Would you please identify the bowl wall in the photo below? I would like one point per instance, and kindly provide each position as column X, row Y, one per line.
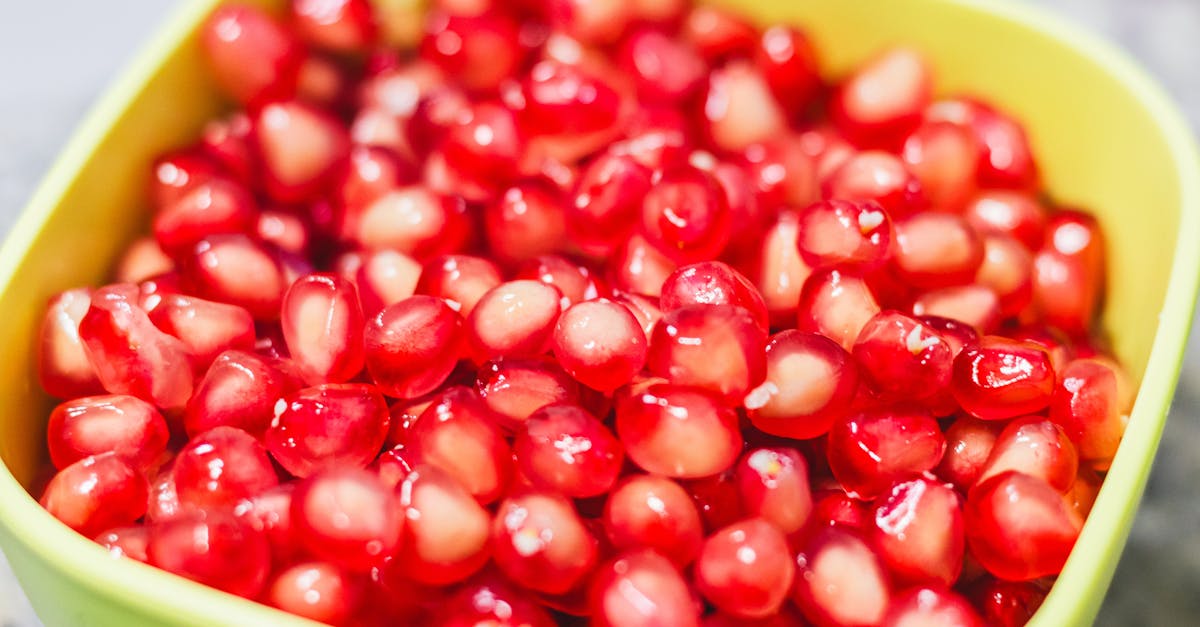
column 1105, row 135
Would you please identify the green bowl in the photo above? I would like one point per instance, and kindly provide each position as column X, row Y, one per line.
column 1106, row 136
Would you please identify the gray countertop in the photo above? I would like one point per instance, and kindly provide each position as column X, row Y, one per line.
column 56, row 57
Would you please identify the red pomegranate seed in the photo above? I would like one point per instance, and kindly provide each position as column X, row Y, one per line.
column 781, row 271
column 348, row 517
column 514, row 319
column 317, row 591
column 328, row 426
column 478, row 52
column 240, row 389
column 162, row 501
column 143, row 260
column 175, row 174
column 600, row 343
column 1009, row 603
column 641, row 589
column 541, row 544
column 300, row 147
column 773, row 483
column 96, row 493
column 219, row 468
column 665, row 70
column 251, row 56
column 458, row 434
column 1087, row 404
column 917, row 528
column 787, row 60
column 217, row 550
column 1011, row 213
column 64, row 370
column 835, row 507
column 323, row 326
column 678, row 431
column 810, row 382
column 206, row 328
column 901, row 358
column 414, row 220
column 869, row 451
column 658, row 139
column 94, row 425
column 1007, row 160
column 739, row 108
column 596, row 22
column 969, row 443
column 526, row 220
column 446, row 532
column 460, row 280
column 782, row 171
column 558, row 98
column 976, row 306
column 640, row 267
column 270, row 514
column 686, row 216
column 884, row 98
column 849, row 235
column 936, row 250
column 208, row 208
column 930, row 606
column 1001, row 378
column 565, row 449
column 606, row 201
column 413, row 345
column 385, row 278
column 944, row 157
column 878, row 176
column 840, row 580
column 718, row 348
column 644, row 308
column 712, row 283
column 368, row 173
column 1037, row 447
column 1068, row 272
column 235, row 269
column 483, row 147
column 656, row 513
column 746, row 569
column 126, row 542
column 490, row 600
column 227, row 142
column 719, row 34
column 576, row 282
column 515, row 388
column 129, row 354
column 1019, row 527
column 286, row 231
column 1007, row 269
column 344, row 26
column 835, row 304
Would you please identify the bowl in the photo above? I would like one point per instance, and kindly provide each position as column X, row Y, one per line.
column 1106, row 136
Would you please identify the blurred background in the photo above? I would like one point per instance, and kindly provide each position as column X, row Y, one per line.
column 56, row 57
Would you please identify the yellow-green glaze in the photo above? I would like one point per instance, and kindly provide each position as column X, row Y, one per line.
column 1106, row 136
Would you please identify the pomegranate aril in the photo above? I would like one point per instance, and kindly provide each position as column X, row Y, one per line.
column 478, row 51
column 746, row 569
column 162, row 503
column 717, row 348
column 270, row 513
column 558, row 98
column 216, row 550
column 901, row 358
column 96, row 493
column 931, row 606
column 344, row 26
column 237, row 270
column 328, row 426
column 348, row 517
column 833, row 507
column 414, row 220
column 1034, row 446
column 514, row 319
column 871, row 450
column 837, row 305
column 457, row 433
column 1009, row 603
column 685, row 215
column 782, row 172
column 641, row 268
column 174, row 175
column 460, row 280
column 641, row 589
column 1087, row 404
column 64, row 370
column 712, row 283
column 540, row 543
column 413, row 345
column 644, row 308
column 739, row 109
column 845, row 234
column 773, row 483
column 481, row 151
column 936, row 250
column 944, row 157
column 780, row 269
column 719, row 34
column 656, row 513
column 226, row 141
column 240, row 389
column 1068, row 272
column 1007, row 160
column 789, row 64
column 317, row 591
column 300, row 147
column 1007, row 269
column 969, row 443
column 999, row 378
column 1005, row 212
column 810, row 382
column 446, row 532
column 490, row 600
column 678, row 431
column 206, row 328
column 126, row 542
column 917, row 528
column 600, row 343
column 284, row 230
column 129, row 354
column 251, row 55
column 208, row 208
column 840, row 580
column 884, row 98
column 515, row 388
column 1019, row 527
column 576, row 282
column 606, row 201
column 565, row 449
column 385, row 278
column 322, row 324
column 368, row 173
column 143, row 259
column 664, row 70
column 526, row 220
column 878, row 176
column 975, row 305
column 219, row 468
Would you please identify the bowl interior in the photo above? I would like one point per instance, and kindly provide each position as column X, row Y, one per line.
column 1105, row 136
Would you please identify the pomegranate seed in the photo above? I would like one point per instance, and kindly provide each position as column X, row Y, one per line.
column 1000, row 378
column 240, row 390
column 216, row 550
column 665, row 70
column 917, row 528
column 1007, row 269
column 514, row 319
column 385, row 278
column 174, row 175
column 540, row 543
column 773, row 483
column 270, row 513
column 414, row 220
column 286, row 231
column 457, row 433
column 515, row 388
column 719, row 34
column 782, row 171
column 482, row 147
column 644, row 308
column 527, row 220
column 1009, row 603
column 129, row 354
column 746, row 569
column 446, row 531
column 460, row 280
column 206, row 328
column 64, row 370
column 597, row 22
column 712, row 283
column 936, row 250
column 641, row 268
column 251, row 56
column 346, row 516
column 606, row 202
column 788, row 62
column 835, row 507
column 226, row 141
column 969, row 443
column 576, row 282
column 717, row 499
column 317, row 591
column 1068, row 272
column 220, row 467
column 901, row 358
column 368, row 173
column 944, row 157
column 208, row 208
column 657, row 139
column 600, row 343
column 662, row 425
column 686, row 216
column 1087, row 404
column 490, row 600
column 300, row 147
column 344, row 26
column 1018, row 527
column 931, row 607
column 840, row 580
column 558, row 98
column 327, row 426
column 1011, row 213
column 976, row 306
column 877, row 176
column 479, row 52
column 837, row 305
column 883, row 100
column 143, row 260
column 563, row 448
column 641, row 589
column 781, row 271
column 236, row 270
column 656, row 513
column 162, row 500
column 413, row 345
column 1037, row 447
column 1007, row 160
column 96, row 493
column 869, row 451
column 323, row 326
column 718, row 348
column 739, row 108
column 810, row 382
column 850, row 235
column 126, row 542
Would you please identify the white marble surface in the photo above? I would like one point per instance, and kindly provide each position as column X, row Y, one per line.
column 56, row 56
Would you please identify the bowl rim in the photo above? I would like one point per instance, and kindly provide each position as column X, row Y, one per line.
column 23, row 520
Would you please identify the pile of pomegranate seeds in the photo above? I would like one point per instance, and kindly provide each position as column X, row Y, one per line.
column 601, row 310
